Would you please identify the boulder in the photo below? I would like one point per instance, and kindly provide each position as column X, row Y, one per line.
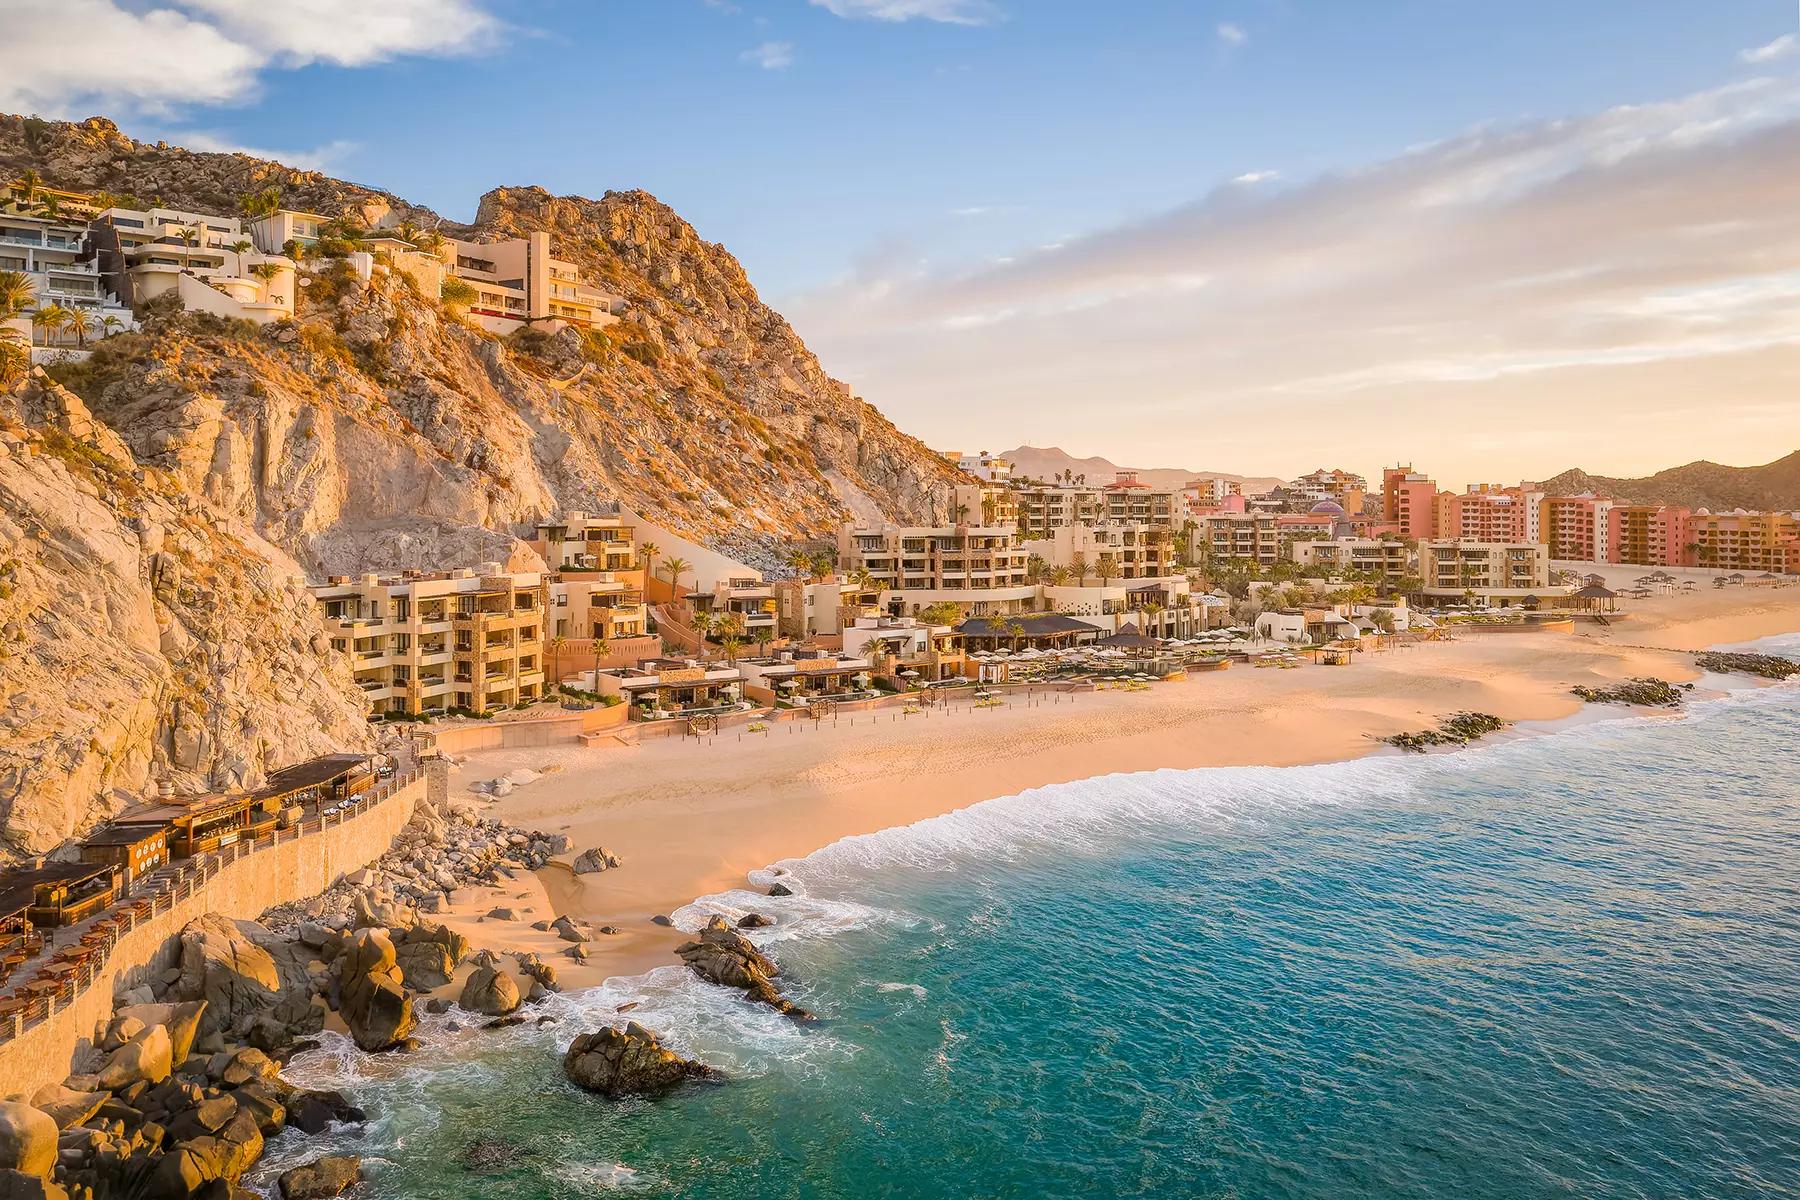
column 27, row 1139
column 122, row 1030
column 502, row 914
column 183, row 1026
column 753, row 921
column 263, row 1100
column 67, row 1107
column 246, row 1065
column 535, row 968
column 425, row 965
column 780, row 889
column 313, row 1112
column 320, row 1179
column 724, row 956
column 145, row 1057
column 625, row 1062
column 17, row 1185
column 590, row 862
column 370, row 912
column 188, row 1167
column 489, row 991
column 371, row 992
column 221, row 965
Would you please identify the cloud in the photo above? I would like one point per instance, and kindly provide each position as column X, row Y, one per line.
column 1557, row 275
column 952, row 12
column 1231, row 35
column 158, row 57
column 1781, row 47
column 770, row 56
column 319, row 158
column 1258, row 177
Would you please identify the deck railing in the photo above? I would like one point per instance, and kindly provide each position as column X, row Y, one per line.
column 157, row 895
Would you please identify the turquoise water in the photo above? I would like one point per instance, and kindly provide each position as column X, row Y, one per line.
column 1564, row 966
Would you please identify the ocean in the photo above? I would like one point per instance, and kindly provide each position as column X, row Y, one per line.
column 1564, row 965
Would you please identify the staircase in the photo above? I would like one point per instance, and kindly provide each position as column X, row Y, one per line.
column 671, row 624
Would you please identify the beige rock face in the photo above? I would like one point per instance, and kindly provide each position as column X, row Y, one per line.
column 160, row 508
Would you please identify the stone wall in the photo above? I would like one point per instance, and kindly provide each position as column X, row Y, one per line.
column 541, row 731
column 287, row 871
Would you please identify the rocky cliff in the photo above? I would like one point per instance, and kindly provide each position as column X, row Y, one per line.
column 154, row 628
column 141, row 637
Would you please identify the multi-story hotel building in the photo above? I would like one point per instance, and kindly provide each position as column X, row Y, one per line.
column 1344, row 487
column 144, row 253
column 54, row 255
column 1240, row 537
column 1575, row 528
column 1745, row 541
column 1371, row 555
column 1649, row 535
column 597, row 589
column 984, row 466
column 982, row 567
column 1494, row 571
column 1488, row 513
column 1124, row 500
column 1114, row 551
column 1408, row 501
column 418, row 643
column 518, row 281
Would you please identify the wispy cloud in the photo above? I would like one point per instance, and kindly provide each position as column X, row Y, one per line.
column 1232, row 35
column 770, row 56
column 152, row 58
column 1781, row 47
column 952, row 12
column 319, row 158
column 1257, row 177
column 1601, row 275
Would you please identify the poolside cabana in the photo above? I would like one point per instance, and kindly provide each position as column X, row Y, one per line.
column 1594, row 598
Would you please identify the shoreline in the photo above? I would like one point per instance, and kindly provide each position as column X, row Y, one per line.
column 691, row 818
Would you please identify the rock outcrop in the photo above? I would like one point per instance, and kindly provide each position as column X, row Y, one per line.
column 320, row 1179
column 489, row 990
column 627, row 1062
column 724, row 956
column 372, row 993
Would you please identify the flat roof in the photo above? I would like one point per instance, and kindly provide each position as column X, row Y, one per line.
column 310, row 774
column 127, row 835
column 18, row 889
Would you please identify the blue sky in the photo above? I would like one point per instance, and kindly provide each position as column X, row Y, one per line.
column 884, row 145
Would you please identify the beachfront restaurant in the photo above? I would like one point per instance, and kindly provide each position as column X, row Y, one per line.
column 206, row 823
column 672, row 686
column 321, row 781
column 811, row 678
column 1041, row 631
column 55, row 894
column 135, row 849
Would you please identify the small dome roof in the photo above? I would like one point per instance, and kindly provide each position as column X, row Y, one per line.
column 1329, row 508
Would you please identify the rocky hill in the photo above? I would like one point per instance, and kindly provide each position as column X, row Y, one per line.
column 153, row 625
column 1701, row 484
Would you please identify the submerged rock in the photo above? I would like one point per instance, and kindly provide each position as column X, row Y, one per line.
column 625, row 1062
column 320, row 1180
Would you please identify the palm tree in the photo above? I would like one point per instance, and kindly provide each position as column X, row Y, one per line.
column 823, row 564
column 944, row 612
column 1108, row 569
column 863, row 581
column 555, row 646
column 16, row 292
column 676, row 567
column 407, row 232
column 962, row 513
column 1059, row 576
column 1151, row 611
column 646, row 558
column 1015, row 631
column 50, row 207
column 801, row 561
column 27, row 187
column 1079, row 565
column 267, row 271
column 78, row 322
column 111, row 325
column 50, row 319
column 242, row 246
column 601, row 648
column 190, row 237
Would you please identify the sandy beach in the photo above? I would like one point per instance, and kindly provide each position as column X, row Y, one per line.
column 690, row 817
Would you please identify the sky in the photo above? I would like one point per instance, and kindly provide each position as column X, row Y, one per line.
column 1494, row 240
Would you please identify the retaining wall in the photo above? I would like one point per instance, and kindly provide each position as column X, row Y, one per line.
column 241, row 884
column 539, row 731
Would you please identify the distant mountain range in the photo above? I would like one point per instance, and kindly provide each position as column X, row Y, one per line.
column 1043, row 462
column 1701, row 484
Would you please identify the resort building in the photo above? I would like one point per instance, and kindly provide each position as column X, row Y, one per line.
column 1371, row 556
column 807, row 609
column 1166, row 607
column 984, row 466
column 670, row 686
column 938, row 562
column 587, row 542
column 463, row 639
column 803, row 677
column 747, row 599
column 284, row 231
column 208, row 261
column 518, row 281
column 1745, row 541
column 1239, row 537
column 1650, row 535
column 1045, row 509
column 1488, row 513
column 1408, row 502
column 1344, row 487
column 906, row 649
column 54, row 255
column 1113, row 551
column 1495, row 572
column 1575, row 527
